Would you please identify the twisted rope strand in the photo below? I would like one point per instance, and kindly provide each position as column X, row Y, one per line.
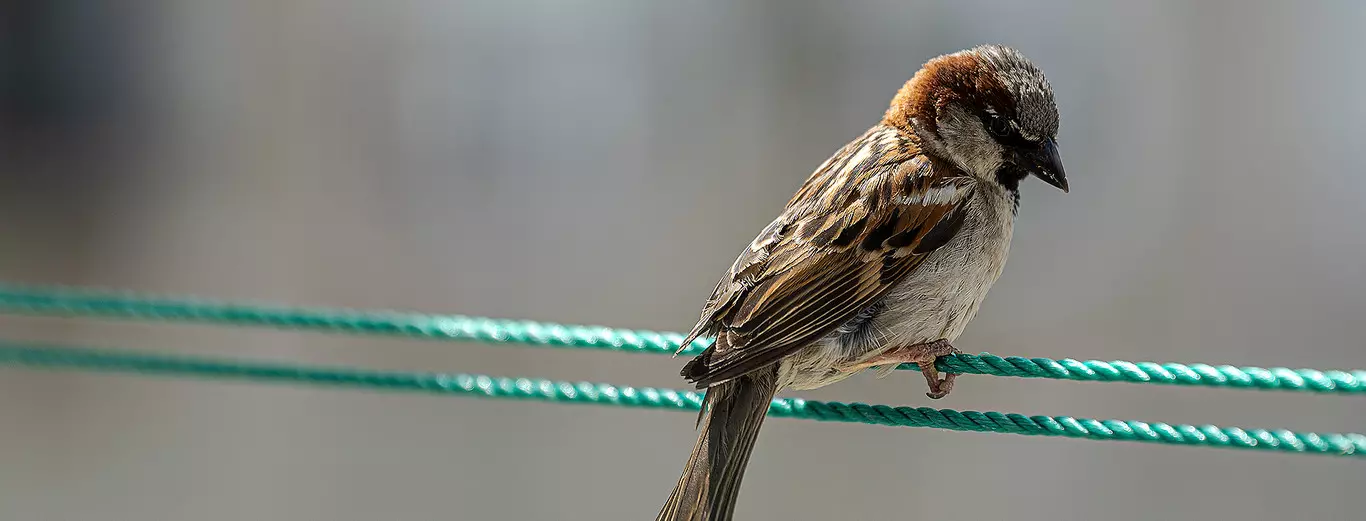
column 125, row 305
column 62, row 301
column 58, row 357
column 1171, row 373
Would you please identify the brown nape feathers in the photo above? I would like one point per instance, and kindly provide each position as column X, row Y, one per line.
column 961, row 78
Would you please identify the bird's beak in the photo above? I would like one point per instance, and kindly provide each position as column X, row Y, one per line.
column 1048, row 165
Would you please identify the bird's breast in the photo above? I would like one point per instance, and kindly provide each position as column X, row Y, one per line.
column 939, row 298
column 936, row 301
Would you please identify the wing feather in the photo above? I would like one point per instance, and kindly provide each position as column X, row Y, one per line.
column 859, row 225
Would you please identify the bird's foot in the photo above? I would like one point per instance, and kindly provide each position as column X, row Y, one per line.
column 923, row 355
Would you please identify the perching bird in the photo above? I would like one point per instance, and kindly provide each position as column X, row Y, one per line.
column 882, row 257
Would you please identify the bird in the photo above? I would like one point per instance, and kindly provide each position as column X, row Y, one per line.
column 881, row 257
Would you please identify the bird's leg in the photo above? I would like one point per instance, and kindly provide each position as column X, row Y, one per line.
column 924, row 356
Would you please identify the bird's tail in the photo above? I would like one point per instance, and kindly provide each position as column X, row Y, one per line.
column 729, row 423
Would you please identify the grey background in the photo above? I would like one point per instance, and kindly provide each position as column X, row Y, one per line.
column 603, row 162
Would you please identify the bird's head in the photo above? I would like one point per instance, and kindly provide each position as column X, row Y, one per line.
column 989, row 111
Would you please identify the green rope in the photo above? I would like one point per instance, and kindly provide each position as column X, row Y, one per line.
column 58, row 357
column 77, row 302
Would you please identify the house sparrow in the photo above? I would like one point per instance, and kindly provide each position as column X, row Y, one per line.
column 882, row 257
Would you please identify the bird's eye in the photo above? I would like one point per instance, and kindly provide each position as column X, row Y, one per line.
column 998, row 126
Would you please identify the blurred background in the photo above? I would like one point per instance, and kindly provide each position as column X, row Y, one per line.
column 603, row 163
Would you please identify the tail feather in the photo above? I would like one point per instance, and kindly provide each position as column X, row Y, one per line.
column 729, row 425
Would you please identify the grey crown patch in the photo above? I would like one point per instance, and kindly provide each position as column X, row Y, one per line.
column 1034, row 107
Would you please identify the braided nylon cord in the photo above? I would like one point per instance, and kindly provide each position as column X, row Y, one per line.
column 57, row 357
column 78, row 302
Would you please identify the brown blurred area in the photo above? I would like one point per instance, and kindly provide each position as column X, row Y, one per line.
column 603, row 162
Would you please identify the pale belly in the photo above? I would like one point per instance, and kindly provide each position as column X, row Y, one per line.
column 936, row 302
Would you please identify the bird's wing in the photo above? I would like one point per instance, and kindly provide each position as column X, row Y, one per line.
column 859, row 225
